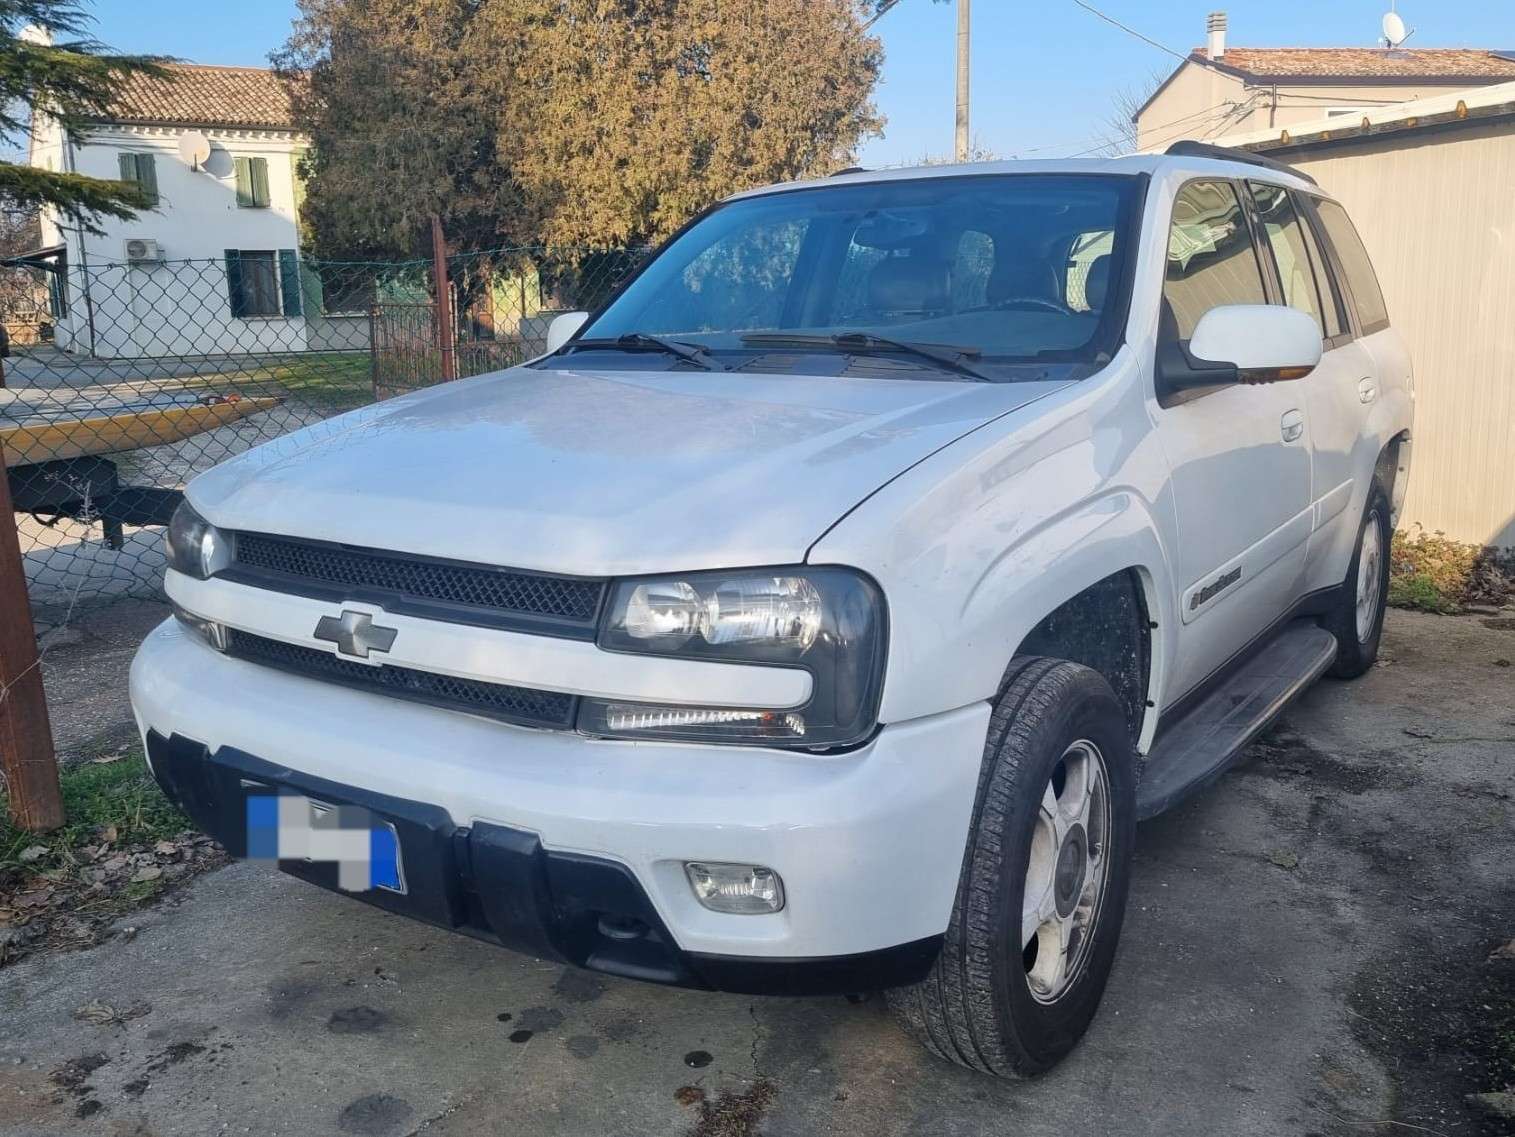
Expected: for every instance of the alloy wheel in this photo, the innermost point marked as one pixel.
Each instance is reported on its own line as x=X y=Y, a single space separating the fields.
x=1067 y=872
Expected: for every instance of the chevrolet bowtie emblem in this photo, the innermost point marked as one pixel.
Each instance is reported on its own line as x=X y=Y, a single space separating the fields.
x=355 y=633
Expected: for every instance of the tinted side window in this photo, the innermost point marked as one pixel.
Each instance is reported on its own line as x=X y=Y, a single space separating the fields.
x=1368 y=297
x=1211 y=261
x=1286 y=240
x=1335 y=308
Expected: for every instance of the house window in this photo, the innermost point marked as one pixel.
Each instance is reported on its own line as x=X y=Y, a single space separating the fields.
x=263 y=282
x=252 y=182
x=141 y=170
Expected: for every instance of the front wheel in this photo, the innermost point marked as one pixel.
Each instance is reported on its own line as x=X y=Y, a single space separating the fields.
x=1357 y=619
x=1043 y=890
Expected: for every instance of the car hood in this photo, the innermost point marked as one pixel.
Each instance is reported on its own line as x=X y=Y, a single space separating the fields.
x=601 y=473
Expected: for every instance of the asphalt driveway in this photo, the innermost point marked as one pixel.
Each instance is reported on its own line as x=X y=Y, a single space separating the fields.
x=1307 y=951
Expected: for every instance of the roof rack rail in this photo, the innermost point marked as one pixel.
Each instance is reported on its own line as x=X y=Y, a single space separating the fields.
x=1188 y=148
x=850 y=170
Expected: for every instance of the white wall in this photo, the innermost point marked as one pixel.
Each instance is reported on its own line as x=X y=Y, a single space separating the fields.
x=179 y=307
x=1436 y=212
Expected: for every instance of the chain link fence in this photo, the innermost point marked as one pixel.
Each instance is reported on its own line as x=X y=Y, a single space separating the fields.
x=123 y=381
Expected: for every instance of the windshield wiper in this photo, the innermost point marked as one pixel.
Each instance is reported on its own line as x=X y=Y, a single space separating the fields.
x=951 y=356
x=641 y=341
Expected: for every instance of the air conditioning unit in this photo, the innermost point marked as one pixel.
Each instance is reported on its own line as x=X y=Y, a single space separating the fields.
x=141 y=250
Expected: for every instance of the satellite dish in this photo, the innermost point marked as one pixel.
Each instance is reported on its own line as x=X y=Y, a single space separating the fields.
x=1394 y=32
x=194 y=148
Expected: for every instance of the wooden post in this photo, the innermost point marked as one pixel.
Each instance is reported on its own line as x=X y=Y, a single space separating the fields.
x=26 y=737
x=444 y=299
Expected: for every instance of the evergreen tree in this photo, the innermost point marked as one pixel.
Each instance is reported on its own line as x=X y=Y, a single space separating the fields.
x=575 y=122
x=50 y=65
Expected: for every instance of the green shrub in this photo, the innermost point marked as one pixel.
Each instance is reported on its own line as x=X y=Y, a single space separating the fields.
x=1432 y=573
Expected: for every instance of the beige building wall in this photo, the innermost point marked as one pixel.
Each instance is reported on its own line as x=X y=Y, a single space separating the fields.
x=1437 y=212
x=1201 y=103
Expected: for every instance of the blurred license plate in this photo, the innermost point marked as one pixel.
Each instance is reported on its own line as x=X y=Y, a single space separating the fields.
x=288 y=827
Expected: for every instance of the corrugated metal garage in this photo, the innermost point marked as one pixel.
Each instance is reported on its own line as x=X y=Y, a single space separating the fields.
x=1431 y=186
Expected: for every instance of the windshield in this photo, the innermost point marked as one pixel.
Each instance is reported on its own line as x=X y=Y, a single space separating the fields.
x=1015 y=276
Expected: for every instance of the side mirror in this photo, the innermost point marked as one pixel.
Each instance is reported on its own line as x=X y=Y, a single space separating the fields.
x=562 y=329
x=1246 y=343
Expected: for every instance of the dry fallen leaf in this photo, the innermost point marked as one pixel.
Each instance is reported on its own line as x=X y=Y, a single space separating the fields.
x=34 y=899
x=32 y=853
x=103 y=1014
x=1284 y=858
x=146 y=873
x=166 y=848
x=108 y=834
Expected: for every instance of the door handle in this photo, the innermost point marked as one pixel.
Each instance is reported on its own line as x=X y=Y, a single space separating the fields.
x=1292 y=425
x=1367 y=390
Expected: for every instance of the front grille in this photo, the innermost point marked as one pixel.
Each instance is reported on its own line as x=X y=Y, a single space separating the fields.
x=455 y=591
x=520 y=705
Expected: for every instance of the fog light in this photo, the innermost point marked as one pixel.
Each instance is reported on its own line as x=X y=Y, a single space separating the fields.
x=744 y=890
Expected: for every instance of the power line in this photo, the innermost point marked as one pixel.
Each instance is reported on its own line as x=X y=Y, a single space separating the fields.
x=1183 y=57
x=1146 y=39
x=1206 y=114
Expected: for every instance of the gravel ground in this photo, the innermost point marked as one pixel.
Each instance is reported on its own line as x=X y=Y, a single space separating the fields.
x=1307 y=951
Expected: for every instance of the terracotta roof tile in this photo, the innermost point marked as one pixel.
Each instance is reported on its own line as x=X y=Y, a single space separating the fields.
x=199 y=95
x=1369 y=63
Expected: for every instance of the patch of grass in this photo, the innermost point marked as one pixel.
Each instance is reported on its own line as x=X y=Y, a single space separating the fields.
x=118 y=794
x=1432 y=573
x=123 y=846
x=1419 y=591
x=340 y=381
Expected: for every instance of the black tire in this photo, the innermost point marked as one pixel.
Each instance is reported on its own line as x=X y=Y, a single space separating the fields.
x=976 y=1008
x=1356 y=653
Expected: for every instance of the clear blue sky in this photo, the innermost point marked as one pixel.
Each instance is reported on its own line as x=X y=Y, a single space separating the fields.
x=1045 y=72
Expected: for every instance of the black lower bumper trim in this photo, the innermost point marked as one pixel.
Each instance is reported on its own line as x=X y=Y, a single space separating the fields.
x=499 y=884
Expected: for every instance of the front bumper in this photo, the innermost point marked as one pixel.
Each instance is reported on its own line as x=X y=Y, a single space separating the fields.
x=530 y=837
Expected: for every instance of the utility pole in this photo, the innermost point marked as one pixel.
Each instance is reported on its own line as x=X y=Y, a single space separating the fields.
x=960 y=150
x=26 y=737
x=444 y=299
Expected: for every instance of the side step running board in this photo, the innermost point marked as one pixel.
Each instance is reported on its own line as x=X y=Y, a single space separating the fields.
x=1202 y=745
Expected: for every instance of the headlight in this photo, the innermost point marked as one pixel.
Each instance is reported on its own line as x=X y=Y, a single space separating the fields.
x=830 y=621
x=195 y=546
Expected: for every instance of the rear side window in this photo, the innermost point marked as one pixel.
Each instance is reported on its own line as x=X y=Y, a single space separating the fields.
x=1335 y=310
x=1366 y=295
x=1211 y=261
x=1286 y=240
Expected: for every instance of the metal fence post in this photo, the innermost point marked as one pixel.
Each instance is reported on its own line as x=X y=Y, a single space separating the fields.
x=26 y=737
x=444 y=299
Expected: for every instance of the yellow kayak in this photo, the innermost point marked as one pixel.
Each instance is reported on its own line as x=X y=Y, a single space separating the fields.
x=46 y=438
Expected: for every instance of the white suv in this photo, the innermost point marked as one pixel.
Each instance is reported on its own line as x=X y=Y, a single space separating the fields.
x=823 y=613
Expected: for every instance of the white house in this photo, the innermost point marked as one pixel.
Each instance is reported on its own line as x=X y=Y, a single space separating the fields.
x=214 y=267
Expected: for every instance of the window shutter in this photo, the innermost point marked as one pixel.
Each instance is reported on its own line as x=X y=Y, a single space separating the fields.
x=260 y=183
x=234 y=291
x=147 y=176
x=289 y=281
x=128 y=167
x=243 y=168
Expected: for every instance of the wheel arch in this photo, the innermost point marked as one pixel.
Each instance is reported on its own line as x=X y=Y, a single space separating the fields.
x=1101 y=563
x=1108 y=627
x=1391 y=471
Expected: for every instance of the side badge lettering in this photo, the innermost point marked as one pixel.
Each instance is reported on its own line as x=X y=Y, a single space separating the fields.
x=1214 y=588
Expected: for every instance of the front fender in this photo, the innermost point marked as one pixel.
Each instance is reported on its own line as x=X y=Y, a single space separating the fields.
x=976 y=545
